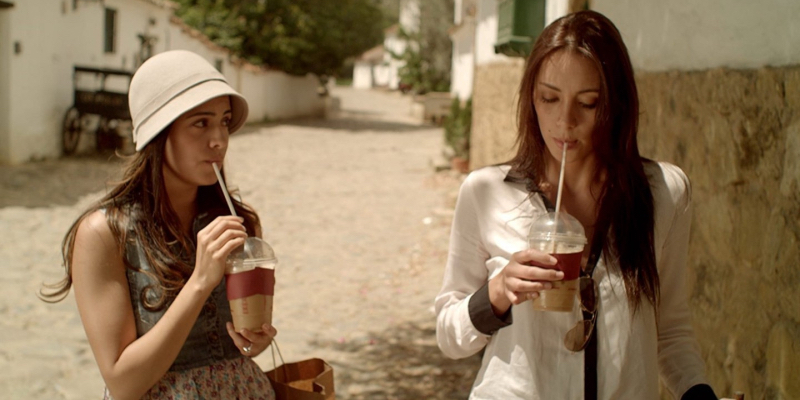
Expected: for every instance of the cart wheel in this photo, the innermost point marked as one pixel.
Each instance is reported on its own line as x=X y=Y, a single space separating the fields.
x=71 y=130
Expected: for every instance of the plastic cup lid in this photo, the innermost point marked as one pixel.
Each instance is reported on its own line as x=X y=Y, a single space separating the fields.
x=560 y=227
x=255 y=253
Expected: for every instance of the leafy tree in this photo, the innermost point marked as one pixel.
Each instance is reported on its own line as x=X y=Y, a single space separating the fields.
x=391 y=11
x=296 y=36
x=216 y=19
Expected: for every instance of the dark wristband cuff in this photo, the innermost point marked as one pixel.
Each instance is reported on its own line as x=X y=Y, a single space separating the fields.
x=699 y=392
x=482 y=316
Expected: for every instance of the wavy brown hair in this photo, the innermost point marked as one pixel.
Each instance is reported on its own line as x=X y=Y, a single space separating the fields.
x=137 y=209
x=625 y=214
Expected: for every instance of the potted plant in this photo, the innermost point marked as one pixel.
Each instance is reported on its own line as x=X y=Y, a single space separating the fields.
x=457 y=129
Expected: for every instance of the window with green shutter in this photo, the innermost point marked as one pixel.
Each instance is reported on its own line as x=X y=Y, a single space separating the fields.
x=110 y=41
x=519 y=23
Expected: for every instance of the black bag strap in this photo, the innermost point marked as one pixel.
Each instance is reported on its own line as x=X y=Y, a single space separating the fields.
x=590 y=352
x=590 y=368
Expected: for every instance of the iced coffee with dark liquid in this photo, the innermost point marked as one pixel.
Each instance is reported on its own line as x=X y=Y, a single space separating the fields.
x=250 y=283
x=562 y=236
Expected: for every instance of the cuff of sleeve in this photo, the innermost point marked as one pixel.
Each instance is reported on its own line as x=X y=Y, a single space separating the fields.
x=482 y=316
x=699 y=392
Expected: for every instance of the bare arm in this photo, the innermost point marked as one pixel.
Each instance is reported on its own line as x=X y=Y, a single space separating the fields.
x=131 y=366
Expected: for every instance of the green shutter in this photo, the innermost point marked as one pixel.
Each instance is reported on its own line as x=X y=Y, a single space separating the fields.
x=110 y=31
x=519 y=23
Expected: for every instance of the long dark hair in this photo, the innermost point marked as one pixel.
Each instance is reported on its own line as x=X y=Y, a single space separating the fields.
x=625 y=215
x=138 y=204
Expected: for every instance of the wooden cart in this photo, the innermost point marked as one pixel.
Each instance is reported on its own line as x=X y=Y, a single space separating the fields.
x=110 y=106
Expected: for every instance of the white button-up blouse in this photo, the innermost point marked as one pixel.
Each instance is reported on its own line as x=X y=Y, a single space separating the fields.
x=527 y=359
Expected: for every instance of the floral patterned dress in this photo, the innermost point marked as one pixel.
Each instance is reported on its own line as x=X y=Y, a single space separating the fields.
x=239 y=378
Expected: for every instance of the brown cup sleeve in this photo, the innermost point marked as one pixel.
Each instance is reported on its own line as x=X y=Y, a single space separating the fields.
x=249 y=283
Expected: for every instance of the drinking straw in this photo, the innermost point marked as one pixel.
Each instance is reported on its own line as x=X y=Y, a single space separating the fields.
x=561 y=177
x=225 y=189
x=560 y=188
x=247 y=246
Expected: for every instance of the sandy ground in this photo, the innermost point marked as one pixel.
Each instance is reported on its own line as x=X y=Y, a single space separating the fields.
x=354 y=210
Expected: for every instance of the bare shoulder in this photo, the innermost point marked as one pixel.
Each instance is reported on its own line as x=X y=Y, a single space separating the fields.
x=95 y=244
x=94 y=229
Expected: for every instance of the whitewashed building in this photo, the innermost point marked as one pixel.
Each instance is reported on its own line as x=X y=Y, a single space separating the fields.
x=463 y=36
x=389 y=72
x=474 y=36
x=42 y=40
x=371 y=69
x=378 y=66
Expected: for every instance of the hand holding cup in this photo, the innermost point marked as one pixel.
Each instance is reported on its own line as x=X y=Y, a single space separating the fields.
x=214 y=243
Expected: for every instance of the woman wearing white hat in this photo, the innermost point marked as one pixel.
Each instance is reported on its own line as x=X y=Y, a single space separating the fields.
x=147 y=260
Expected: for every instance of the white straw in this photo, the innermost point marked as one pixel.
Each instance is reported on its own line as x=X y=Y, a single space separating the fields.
x=561 y=177
x=225 y=188
x=558 y=196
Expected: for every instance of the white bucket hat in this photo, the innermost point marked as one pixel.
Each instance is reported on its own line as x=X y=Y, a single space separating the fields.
x=172 y=83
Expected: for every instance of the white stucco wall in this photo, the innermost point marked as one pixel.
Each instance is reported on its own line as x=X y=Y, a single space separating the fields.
x=6 y=50
x=31 y=73
x=409 y=15
x=486 y=33
x=177 y=39
x=362 y=75
x=55 y=37
x=463 y=66
x=392 y=44
x=694 y=35
x=278 y=95
x=380 y=75
x=133 y=19
x=270 y=94
x=554 y=9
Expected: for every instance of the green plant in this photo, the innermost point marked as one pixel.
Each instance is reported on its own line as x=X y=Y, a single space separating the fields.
x=458 y=127
x=427 y=57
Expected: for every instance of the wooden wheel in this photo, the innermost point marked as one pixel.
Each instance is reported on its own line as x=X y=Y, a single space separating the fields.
x=72 y=128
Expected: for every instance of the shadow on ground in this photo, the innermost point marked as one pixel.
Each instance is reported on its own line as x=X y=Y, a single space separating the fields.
x=402 y=363
x=57 y=182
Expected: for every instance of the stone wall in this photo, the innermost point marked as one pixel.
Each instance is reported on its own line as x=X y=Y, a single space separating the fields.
x=494 y=105
x=736 y=133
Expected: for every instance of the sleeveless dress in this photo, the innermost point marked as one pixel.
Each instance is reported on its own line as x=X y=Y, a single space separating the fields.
x=209 y=365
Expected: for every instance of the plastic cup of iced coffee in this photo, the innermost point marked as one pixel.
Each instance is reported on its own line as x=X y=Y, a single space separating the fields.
x=250 y=283
x=562 y=236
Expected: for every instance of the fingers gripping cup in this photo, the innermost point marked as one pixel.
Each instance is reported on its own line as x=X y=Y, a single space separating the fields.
x=562 y=236
x=250 y=283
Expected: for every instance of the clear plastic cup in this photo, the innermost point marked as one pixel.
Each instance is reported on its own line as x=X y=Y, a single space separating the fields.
x=250 y=283
x=563 y=237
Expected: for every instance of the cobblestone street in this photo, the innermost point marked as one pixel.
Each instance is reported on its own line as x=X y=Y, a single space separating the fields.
x=355 y=211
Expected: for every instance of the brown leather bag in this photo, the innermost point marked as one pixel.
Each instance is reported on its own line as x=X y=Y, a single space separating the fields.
x=310 y=379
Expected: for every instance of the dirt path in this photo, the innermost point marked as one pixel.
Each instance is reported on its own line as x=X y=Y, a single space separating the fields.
x=356 y=215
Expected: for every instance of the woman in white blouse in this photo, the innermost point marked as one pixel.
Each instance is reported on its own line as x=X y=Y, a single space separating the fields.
x=578 y=91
